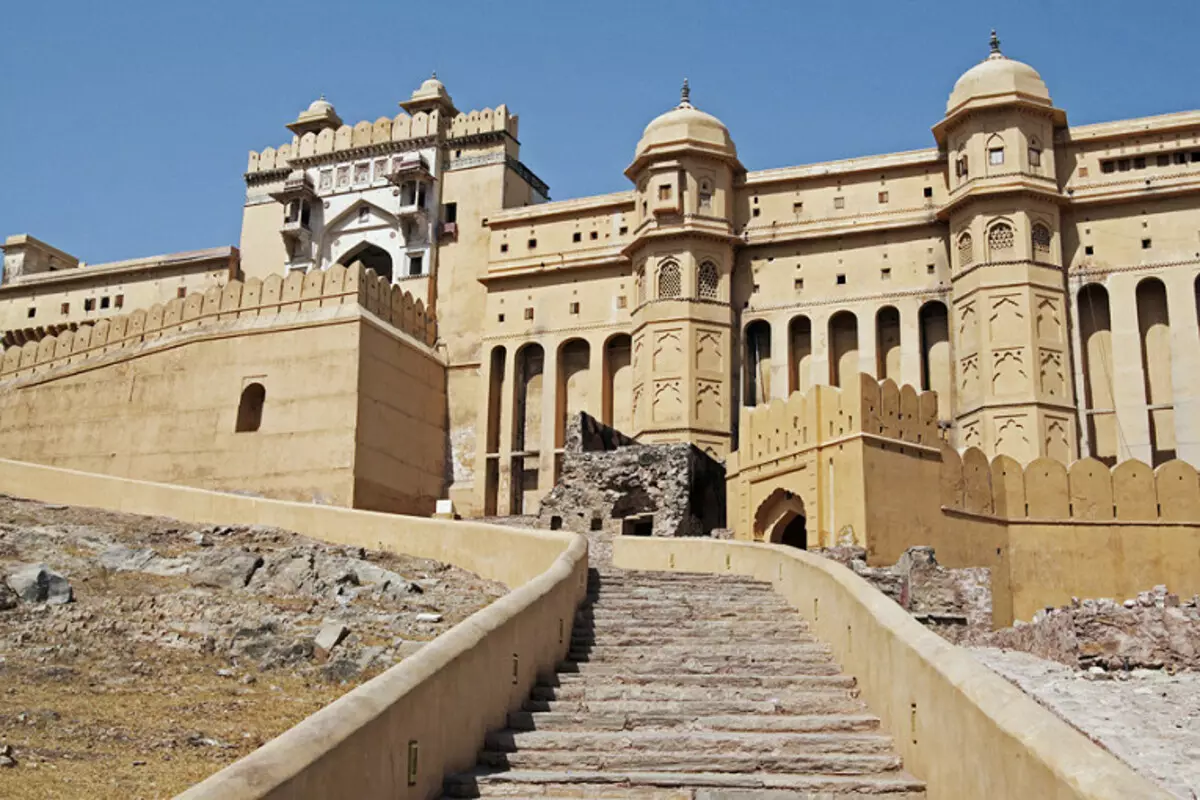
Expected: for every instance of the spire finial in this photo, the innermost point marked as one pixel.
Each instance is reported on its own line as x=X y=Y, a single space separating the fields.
x=994 y=43
x=434 y=75
x=685 y=94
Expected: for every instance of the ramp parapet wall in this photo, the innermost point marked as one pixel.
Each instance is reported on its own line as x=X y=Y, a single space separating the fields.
x=825 y=413
x=384 y=131
x=936 y=701
x=269 y=296
x=435 y=707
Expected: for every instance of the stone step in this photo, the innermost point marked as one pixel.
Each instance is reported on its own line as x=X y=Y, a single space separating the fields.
x=587 y=693
x=695 y=667
x=719 y=703
x=489 y=782
x=672 y=616
x=713 y=681
x=762 y=723
x=632 y=637
x=764 y=651
x=677 y=761
x=759 y=629
x=691 y=742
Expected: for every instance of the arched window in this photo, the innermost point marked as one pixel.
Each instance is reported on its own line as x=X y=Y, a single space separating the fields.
x=1035 y=153
x=1000 y=237
x=995 y=151
x=1040 y=237
x=669 y=282
x=250 y=408
x=706 y=281
x=705 y=195
x=966 y=249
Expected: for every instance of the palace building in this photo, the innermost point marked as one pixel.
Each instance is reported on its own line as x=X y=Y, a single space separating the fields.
x=1040 y=278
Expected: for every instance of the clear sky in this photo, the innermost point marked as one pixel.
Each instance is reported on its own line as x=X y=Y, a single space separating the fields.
x=124 y=126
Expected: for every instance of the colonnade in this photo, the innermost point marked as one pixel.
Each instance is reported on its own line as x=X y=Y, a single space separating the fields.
x=1137 y=376
x=906 y=339
x=534 y=386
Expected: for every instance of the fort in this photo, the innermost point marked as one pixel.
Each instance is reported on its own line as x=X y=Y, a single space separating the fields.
x=988 y=347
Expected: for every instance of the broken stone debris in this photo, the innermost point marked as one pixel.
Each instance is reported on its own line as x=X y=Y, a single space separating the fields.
x=37 y=583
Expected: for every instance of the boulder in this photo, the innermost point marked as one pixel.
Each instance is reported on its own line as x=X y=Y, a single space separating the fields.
x=330 y=636
x=225 y=568
x=8 y=598
x=36 y=583
x=127 y=559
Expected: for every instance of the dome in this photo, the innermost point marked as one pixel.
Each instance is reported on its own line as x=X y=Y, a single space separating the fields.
x=998 y=75
x=431 y=89
x=686 y=123
x=320 y=106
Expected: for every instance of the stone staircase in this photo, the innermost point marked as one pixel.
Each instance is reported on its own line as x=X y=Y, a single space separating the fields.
x=695 y=687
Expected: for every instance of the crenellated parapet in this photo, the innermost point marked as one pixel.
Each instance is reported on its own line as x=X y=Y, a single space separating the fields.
x=879 y=409
x=1087 y=490
x=273 y=295
x=400 y=130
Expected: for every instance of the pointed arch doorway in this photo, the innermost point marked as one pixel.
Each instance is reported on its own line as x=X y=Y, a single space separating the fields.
x=372 y=257
x=782 y=519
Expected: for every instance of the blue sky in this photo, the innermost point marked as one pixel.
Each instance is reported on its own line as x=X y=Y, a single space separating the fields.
x=125 y=125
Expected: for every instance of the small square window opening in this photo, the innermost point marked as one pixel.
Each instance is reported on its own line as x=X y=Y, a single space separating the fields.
x=529 y=313
x=574 y=308
x=839 y=202
x=1145 y=244
x=885 y=274
x=104 y=302
x=841 y=280
x=576 y=236
x=883 y=197
x=1089 y=250
x=929 y=191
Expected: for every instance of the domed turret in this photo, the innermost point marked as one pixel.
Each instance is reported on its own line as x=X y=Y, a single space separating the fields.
x=686 y=125
x=998 y=76
x=430 y=94
x=319 y=114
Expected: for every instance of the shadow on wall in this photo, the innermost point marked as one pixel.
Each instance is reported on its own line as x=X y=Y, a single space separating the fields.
x=614 y=485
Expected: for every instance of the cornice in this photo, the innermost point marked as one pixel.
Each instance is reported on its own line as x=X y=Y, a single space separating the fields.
x=824 y=169
x=775 y=233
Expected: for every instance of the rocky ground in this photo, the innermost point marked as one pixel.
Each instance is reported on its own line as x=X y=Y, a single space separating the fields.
x=140 y=654
x=1150 y=719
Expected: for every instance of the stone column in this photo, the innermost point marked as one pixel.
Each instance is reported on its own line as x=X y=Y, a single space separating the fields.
x=1082 y=418
x=1185 y=363
x=596 y=379
x=1129 y=379
x=910 y=341
x=508 y=397
x=546 y=442
x=868 y=341
x=779 y=355
x=819 y=318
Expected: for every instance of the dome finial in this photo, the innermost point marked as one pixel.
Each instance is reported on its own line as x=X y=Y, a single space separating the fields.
x=685 y=95
x=994 y=43
x=434 y=75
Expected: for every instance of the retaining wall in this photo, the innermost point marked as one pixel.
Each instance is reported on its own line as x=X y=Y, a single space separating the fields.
x=960 y=727
x=434 y=707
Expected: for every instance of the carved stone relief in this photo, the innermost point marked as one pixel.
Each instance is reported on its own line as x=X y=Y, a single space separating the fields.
x=1058 y=439
x=1009 y=373
x=1006 y=321
x=668 y=400
x=668 y=350
x=708 y=351
x=1049 y=319
x=1012 y=437
x=1053 y=376
x=708 y=402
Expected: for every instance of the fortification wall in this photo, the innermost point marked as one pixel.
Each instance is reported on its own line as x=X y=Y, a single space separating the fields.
x=158 y=393
x=1079 y=531
x=866 y=466
x=401 y=128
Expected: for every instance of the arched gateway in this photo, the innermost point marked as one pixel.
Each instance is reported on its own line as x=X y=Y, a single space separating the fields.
x=781 y=519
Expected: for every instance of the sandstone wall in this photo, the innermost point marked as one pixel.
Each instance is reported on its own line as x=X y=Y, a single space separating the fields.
x=342 y=363
x=865 y=465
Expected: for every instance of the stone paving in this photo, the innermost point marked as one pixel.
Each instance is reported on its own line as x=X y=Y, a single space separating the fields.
x=693 y=687
x=1147 y=718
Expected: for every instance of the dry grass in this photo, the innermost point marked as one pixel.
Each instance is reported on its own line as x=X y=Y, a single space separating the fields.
x=80 y=733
